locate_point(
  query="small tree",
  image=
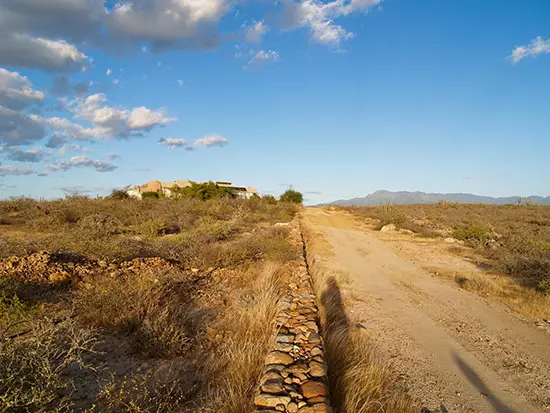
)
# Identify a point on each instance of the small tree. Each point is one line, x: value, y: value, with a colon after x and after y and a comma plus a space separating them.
x: 119, y: 193
x: 290, y: 195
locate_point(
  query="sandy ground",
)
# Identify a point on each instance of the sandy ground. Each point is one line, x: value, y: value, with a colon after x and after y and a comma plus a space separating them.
x: 456, y: 351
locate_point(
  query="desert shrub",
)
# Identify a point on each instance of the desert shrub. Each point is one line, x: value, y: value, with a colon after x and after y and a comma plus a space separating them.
x: 143, y: 393
x: 544, y: 285
x: 269, y: 199
x: 290, y: 195
x: 100, y: 224
x: 33, y: 370
x: 154, y: 308
x: 150, y: 195
x: 475, y: 233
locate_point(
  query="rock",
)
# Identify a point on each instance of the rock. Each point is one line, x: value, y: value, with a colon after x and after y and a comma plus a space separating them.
x: 278, y: 357
x: 313, y: 389
x: 317, y: 369
x: 450, y: 241
x: 406, y: 231
x: 316, y: 351
x: 274, y: 387
x: 283, y: 338
x: 292, y: 407
x: 316, y: 408
x: 388, y: 228
x: 267, y: 400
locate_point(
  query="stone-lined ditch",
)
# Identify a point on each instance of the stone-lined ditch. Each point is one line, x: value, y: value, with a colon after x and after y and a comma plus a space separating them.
x: 295, y: 374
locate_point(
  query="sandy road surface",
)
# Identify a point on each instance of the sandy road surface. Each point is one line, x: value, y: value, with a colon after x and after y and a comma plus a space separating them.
x: 455, y: 351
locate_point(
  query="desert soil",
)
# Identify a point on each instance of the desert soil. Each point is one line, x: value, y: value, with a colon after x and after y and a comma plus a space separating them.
x: 454, y: 350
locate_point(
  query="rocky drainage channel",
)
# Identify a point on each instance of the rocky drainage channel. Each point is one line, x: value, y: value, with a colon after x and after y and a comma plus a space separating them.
x: 295, y: 375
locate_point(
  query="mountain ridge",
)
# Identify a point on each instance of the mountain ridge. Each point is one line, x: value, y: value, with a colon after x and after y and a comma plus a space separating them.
x: 382, y: 196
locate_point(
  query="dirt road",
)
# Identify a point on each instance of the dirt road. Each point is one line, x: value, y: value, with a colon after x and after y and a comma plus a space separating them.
x: 455, y: 350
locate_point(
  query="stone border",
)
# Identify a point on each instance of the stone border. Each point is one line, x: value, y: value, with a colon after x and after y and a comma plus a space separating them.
x: 295, y: 374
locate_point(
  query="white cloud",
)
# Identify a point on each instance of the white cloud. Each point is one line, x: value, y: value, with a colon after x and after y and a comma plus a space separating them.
x: 108, y: 72
x: 81, y: 161
x: 142, y: 118
x: 116, y: 81
x: 180, y: 82
x: 210, y: 141
x: 23, y: 50
x: 108, y: 122
x: 173, y: 143
x: 16, y: 91
x: 29, y: 155
x: 536, y: 47
x: 112, y: 156
x: 14, y: 170
x: 319, y: 18
x: 263, y: 56
x: 254, y: 33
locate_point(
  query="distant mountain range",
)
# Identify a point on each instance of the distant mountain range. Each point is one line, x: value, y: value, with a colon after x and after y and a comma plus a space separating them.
x: 404, y: 197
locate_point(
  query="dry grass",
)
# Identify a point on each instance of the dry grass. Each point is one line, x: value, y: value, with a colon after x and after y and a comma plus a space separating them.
x: 512, y: 240
x: 204, y: 322
x: 237, y: 364
x: 360, y: 380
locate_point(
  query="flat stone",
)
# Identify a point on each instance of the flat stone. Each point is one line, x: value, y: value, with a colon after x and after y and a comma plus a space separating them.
x: 316, y: 408
x: 314, y: 338
x: 280, y: 408
x: 270, y: 375
x: 267, y: 400
x: 279, y: 357
x: 283, y: 338
x: 317, y: 369
x: 286, y: 347
x: 313, y: 389
x: 316, y: 351
x: 274, y: 387
x: 292, y: 407
x: 318, y: 399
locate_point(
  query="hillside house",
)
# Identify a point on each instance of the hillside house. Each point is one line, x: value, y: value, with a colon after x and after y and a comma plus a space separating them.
x: 165, y: 188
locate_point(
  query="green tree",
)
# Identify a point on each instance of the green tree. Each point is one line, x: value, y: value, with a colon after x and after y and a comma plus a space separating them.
x: 204, y: 191
x: 290, y: 195
x: 119, y: 193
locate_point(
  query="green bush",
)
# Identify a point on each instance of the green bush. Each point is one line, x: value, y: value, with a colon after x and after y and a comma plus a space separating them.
x: 472, y: 233
x: 290, y: 195
x: 154, y: 195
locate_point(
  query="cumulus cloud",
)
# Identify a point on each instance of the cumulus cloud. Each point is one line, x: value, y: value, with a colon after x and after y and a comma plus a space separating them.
x: 254, y: 32
x: 23, y: 50
x: 168, y: 24
x: 536, y: 47
x: 263, y: 56
x: 56, y: 141
x: 318, y: 17
x: 108, y: 122
x: 81, y: 161
x: 210, y: 141
x: 16, y: 91
x: 173, y: 143
x: 14, y: 170
x: 17, y: 128
x: 29, y: 155
x: 108, y: 72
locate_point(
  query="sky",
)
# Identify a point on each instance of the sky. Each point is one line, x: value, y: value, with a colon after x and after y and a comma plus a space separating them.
x: 334, y: 98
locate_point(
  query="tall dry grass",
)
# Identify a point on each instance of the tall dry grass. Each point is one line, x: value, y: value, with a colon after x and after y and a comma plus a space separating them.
x: 235, y: 367
x: 360, y: 380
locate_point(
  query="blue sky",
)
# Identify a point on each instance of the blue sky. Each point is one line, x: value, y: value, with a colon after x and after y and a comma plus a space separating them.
x: 337, y: 98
